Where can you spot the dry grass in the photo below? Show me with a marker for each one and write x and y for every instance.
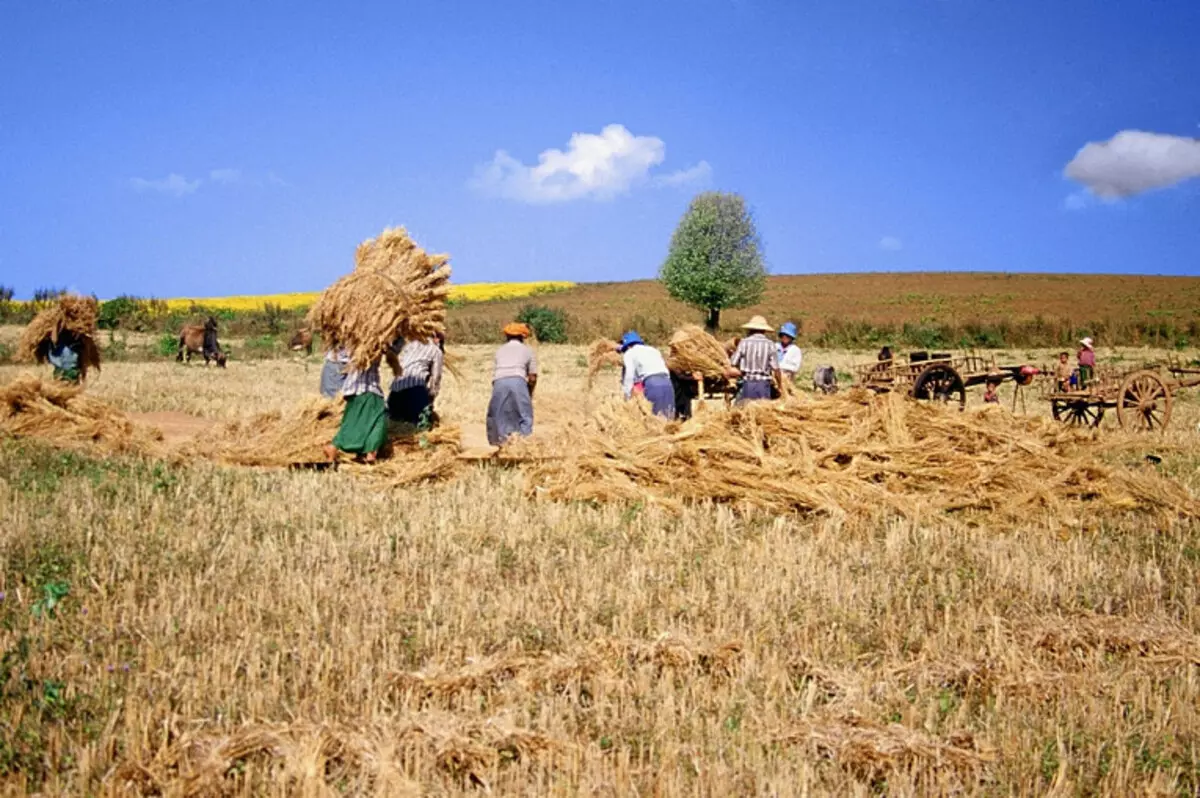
(396, 290)
(247, 631)
(691, 350)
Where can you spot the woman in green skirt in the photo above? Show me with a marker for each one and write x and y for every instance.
(365, 422)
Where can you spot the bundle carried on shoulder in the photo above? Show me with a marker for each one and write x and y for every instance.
(602, 353)
(692, 349)
(72, 317)
(397, 290)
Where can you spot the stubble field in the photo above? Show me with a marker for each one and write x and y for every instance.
(188, 628)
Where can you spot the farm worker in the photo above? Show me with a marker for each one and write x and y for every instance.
(64, 356)
(755, 362)
(363, 430)
(333, 373)
(789, 355)
(644, 364)
(514, 378)
(1087, 362)
(991, 395)
(1063, 371)
(412, 394)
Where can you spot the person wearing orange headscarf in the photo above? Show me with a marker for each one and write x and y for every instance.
(514, 377)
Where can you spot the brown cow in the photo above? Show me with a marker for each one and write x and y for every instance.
(302, 340)
(202, 340)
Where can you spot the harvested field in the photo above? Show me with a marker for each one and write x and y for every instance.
(175, 626)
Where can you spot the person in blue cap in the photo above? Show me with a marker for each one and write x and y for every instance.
(645, 365)
(790, 356)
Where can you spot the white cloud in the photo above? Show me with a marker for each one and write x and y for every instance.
(594, 166)
(225, 176)
(891, 244)
(173, 184)
(1134, 161)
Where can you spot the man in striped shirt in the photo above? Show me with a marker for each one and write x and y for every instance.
(413, 392)
(755, 361)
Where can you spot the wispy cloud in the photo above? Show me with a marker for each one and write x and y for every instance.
(1132, 162)
(173, 184)
(225, 176)
(891, 244)
(594, 166)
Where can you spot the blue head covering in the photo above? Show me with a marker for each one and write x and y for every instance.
(788, 329)
(629, 339)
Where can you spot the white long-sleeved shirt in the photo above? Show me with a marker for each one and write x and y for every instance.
(790, 358)
(640, 361)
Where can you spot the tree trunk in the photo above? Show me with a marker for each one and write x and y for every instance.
(714, 320)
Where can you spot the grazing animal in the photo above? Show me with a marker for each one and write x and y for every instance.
(825, 379)
(202, 340)
(301, 340)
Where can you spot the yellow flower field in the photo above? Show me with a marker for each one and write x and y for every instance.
(468, 292)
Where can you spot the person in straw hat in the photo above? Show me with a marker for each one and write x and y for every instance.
(514, 377)
(1087, 362)
(755, 362)
(644, 364)
(363, 430)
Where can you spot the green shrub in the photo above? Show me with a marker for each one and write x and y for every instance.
(548, 324)
(168, 345)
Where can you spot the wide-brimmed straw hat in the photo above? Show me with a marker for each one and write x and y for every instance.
(516, 329)
(1086, 342)
(757, 323)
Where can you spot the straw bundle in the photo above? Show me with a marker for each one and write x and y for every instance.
(397, 290)
(72, 314)
(602, 353)
(691, 350)
(62, 414)
(854, 454)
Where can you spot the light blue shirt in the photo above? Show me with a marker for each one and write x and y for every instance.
(63, 358)
(641, 361)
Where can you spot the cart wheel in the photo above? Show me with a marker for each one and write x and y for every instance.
(941, 383)
(1145, 402)
(1077, 412)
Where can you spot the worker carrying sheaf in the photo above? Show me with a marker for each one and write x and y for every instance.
(1087, 362)
(514, 377)
(644, 365)
(363, 431)
(755, 362)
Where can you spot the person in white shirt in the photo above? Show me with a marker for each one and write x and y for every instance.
(790, 356)
(644, 365)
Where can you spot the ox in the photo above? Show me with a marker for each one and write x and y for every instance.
(825, 379)
(302, 340)
(195, 339)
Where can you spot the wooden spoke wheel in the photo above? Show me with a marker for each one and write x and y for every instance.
(1145, 402)
(1077, 412)
(940, 383)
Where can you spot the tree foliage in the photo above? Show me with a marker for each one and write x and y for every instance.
(715, 260)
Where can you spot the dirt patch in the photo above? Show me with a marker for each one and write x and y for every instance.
(176, 427)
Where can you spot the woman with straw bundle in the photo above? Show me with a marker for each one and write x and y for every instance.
(645, 365)
(62, 335)
(755, 362)
(333, 373)
(514, 377)
(363, 430)
(411, 398)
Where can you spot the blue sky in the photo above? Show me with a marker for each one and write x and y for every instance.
(208, 148)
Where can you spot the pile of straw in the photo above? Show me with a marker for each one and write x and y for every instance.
(692, 350)
(70, 314)
(62, 414)
(853, 454)
(602, 353)
(397, 290)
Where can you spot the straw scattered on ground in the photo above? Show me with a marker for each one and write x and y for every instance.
(397, 290)
(854, 453)
(692, 350)
(62, 414)
(71, 314)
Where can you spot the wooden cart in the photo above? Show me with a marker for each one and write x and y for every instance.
(1143, 397)
(937, 377)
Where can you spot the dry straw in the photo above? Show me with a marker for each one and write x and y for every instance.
(61, 413)
(852, 454)
(692, 350)
(71, 314)
(602, 353)
(397, 290)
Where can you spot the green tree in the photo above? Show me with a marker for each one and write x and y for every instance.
(715, 261)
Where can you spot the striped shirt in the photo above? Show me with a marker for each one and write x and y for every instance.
(340, 356)
(421, 363)
(755, 357)
(360, 382)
